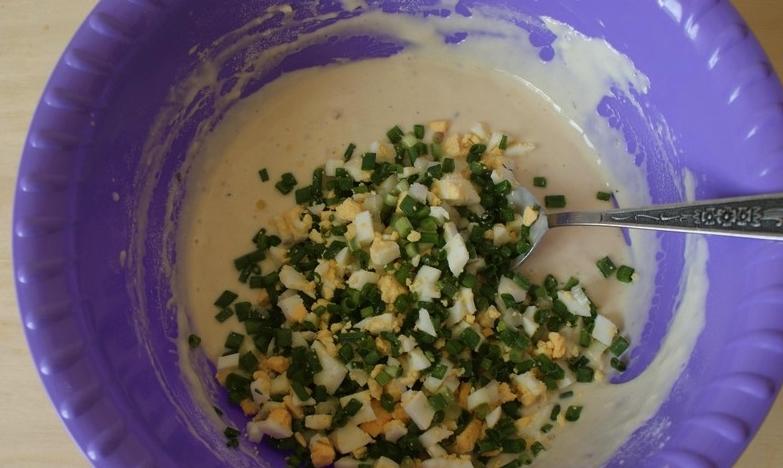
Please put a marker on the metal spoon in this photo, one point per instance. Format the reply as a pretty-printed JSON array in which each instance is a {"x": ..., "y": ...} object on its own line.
[{"x": 754, "y": 217}]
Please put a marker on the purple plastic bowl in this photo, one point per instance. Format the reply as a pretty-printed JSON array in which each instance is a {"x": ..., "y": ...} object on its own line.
[{"x": 117, "y": 387}]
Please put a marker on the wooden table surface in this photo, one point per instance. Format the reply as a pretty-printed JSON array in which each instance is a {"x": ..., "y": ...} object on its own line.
[{"x": 33, "y": 33}]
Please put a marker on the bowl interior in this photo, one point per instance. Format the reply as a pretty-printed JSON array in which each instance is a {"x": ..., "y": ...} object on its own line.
[{"x": 107, "y": 355}]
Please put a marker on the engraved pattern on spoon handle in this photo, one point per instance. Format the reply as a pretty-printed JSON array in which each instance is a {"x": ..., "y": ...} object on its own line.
[{"x": 758, "y": 217}]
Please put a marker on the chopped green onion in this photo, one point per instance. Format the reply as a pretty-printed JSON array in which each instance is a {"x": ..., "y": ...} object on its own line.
[
  {"x": 226, "y": 298},
  {"x": 603, "y": 196},
  {"x": 349, "y": 152},
  {"x": 448, "y": 165},
  {"x": 395, "y": 134},
  {"x": 617, "y": 364},
  {"x": 439, "y": 371},
  {"x": 418, "y": 131},
  {"x": 264, "y": 174},
  {"x": 572, "y": 413},
  {"x": 300, "y": 391},
  {"x": 387, "y": 402},
  {"x": 286, "y": 184},
  {"x": 546, "y": 428},
  {"x": 234, "y": 341},
  {"x": 194, "y": 341},
  {"x": 383, "y": 378},
  {"x": 475, "y": 152},
  {"x": 248, "y": 362},
  {"x": 566, "y": 395},
  {"x": 555, "y": 201},
  {"x": 368, "y": 161},
  {"x": 625, "y": 274},
  {"x": 436, "y": 151},
  {"x": 537, "y": 448},
  {"x": 619, "y": 345},
  {"x": 438, "y": 402},
  {"x": 585, "y": 338},
  {"x": 513, "y": 446},
  {"x": 606, "y": 266},
  {"x": 584, "y": 374},
  {"x": 283, "y": 337},
  {"x": 554, "y": 413},
  {"x": 503, "y": 143},
  {"x": 304, "y": 195},
  {"x": 403, "y": 226},
  {"x": 408, "y": 205},
  {"x": 224, "y": 314},
  {"x": 539, "y": 181},
  {"x": 470, "y": 338}
]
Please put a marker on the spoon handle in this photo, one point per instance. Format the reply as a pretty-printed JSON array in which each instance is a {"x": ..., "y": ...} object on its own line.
[{"x": 759, "y": 217}]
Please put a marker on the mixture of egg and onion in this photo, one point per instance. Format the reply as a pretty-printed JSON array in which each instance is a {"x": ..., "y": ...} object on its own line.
[{"x": 389, "y": 329}]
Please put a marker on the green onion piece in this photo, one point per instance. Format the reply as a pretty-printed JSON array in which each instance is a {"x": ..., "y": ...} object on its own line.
[
  {"x": 566, "y": 395},
  {"x": 619, "y": 345},
  {"x": 554, "y": 413},
  {"x": 234, "y": 341},
  {"x": 539, "y": 181},
  {"x": 555, "y": 201},
  {"x": 438, "y": 402},
  {"x": 585, "y": 338},
  {"x": 395, "y": 134},
  {"x": 503, "y": 143},
  {"x": 403, "y": 226},
  {"x": 304, "y": 195},
  {"x": 368, "y": 161},
  {"x": 194, "y": 341},
  {"x": 617, "y": 364},
  {"x": 345, "y": 353},
  {"x": 537, "y": 448},
  {"x": 448, "y": 165},
  {"x": 226, "y": 298},
  {"x": 436, "y": 171},
  {"x": 603, "y": 196},
  {"x": 481, "y": 411},
  {"x": 352, "y": 407},
  {"x": 383, "y": 378},
  {"x": 418, "y": 131},
  {"x": 572, "y": 413},
  {"x": 546, "y": 428},
  {"x": 349, "y": 152},
  {"x": 513, "y": 446},
  {"x": 248, "y": 362},
  {"x": 470, "y": 338},
  {"x": 231, "y": 433},
  {"x": 475, "y": 152},
  {"x": 606, "y": 266},
  {"x": 387, "y": 402},
  {"x": 243, "y": 310},
  {"x": 439, "y": 371},
  {"x": 264, "y": 174},
  {"x": 283, "y": 337},
  {"x": 625, "y": 274},
  {"x": 584, "y": 374},
  {"x": 408, "y": 205},
  {"x": 436, "y": 150},
  {"x": 223, "y": 315},
  {"x": 428, "y": 238},
  {"x": 286, "y": 184},
  {"x": 468, "y": 280},
  {"x": 300, "y": 390},
  {"x": 372, "y": 357}
]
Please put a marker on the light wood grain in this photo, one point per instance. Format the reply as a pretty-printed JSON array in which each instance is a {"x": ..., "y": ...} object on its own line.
[{"x": 33, "y": 33}]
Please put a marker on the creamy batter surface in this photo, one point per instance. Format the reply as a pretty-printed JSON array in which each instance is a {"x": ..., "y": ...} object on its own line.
[{"x": 305, "y": 117}]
